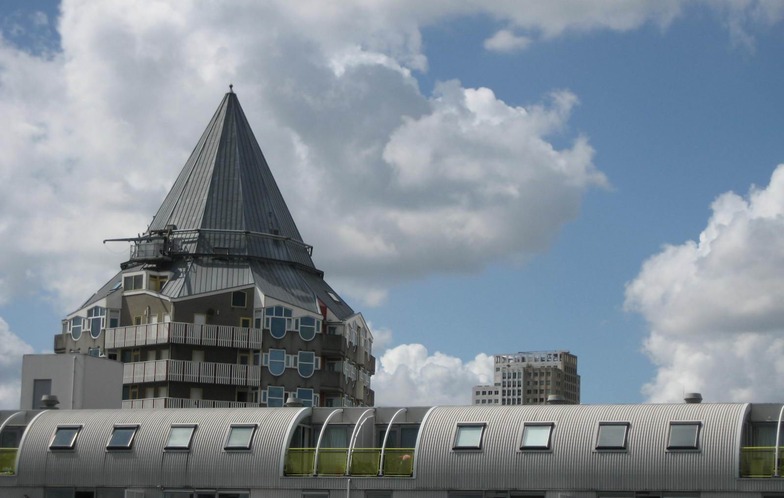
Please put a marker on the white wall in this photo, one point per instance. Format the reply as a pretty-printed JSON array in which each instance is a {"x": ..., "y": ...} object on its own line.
[{"x": 79, "y": 381}]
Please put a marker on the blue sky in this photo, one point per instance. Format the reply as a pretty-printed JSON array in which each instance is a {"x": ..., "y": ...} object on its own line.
[{"x": 573, "y": 192}]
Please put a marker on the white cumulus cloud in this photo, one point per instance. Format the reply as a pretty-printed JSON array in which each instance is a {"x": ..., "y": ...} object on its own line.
[
  {"x": 388, "y": 183},
  {"x": 408, "y": 375},
  {"x": 714, "y": 305},
  {"x": 506, "y": 40},
  {"x": 11, "y": 350}
]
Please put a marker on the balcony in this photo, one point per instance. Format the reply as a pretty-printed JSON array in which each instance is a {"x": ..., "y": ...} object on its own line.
[
  {"x": 182, "y": 403},
  {"x": 398, "y": 462},
  {"x": 183, "y": 333},
  {"x": 196, "y": 372},
  {"x": 759, "y": 461},
  {"x": 7, "y": 461},
  {"x": 59, "y": 343}
]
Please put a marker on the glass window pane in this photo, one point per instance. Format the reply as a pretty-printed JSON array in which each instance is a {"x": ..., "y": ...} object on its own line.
[
  {"x": 612, "y": 436},
  {"x": 121, "y": 438},
  {"x": 180, "y": 437},
  {"x": 64, "y": 438},
  {"x": 469, "y": 436},
  {"x": 536, "y": 436},
  {"x": 684, "y": 435},
  {"x": 240, "y": 437}
]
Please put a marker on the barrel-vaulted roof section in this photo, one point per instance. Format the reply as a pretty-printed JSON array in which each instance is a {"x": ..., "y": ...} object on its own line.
[
  {"x": 207, "y": 464},
  {"x": 227, "y": 185},
  {"x": 573, "y": 460}
]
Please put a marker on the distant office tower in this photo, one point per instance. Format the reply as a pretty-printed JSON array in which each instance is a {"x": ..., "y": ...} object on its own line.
[
  {"x": 529, "y": 378},
  {"x": 220, "y": 304}
]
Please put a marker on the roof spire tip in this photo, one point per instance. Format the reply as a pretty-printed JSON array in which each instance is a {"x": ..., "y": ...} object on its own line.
[{"x": 231, "y": 88}]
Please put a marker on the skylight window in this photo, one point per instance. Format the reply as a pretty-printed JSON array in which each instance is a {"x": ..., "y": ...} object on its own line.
[
  {"x": 536, "y": 436},
  {"x": 122, "y": 437},
  {"x": 469, "y": 436},
  {"x": 612, "y": 436},
  {"x": 240, "y": 437},
  {"x": 180, "y": 437},
  {"x": 333, "y": 296},
  {"x": 684, "y": 436},
  {"x": 65, "y": 437}
]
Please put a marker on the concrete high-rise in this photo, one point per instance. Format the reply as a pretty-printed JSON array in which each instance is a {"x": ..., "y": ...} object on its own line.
[{"x": 530, "y": 378}]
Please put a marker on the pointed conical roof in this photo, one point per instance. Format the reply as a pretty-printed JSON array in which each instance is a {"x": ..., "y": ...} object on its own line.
[{"x": 225, "y": 188}]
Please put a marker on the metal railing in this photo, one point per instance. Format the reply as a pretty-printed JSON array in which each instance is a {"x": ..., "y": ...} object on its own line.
[
  {"x": 398, "y": 462},
  {"x": 184, "y": 403},
  {"x": 183, "y": 333},
  {"x": 200, "y": 372}
]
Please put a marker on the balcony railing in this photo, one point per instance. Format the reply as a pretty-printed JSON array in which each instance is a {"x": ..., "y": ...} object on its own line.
[
  {"x": 198, "y": 372},
  {"x": 7, "y": 461},
  {"x": 184, "y": 403},
  {"x": 759, "y": 461},
  {"x": 398, "y": 462},
  {"x": 183, "y": 333}
]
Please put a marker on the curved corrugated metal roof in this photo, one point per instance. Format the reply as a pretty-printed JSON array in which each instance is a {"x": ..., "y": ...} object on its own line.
[
  {"x": 573, "y": 463},
  {"x": 207, "y": 464}
]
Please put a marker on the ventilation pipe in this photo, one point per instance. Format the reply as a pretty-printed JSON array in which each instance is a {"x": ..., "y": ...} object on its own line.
[{"x": 692, "y": 398}]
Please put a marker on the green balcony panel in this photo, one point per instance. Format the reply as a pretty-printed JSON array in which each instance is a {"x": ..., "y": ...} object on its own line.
[
  {"x": 759, "y": 461},
  {"x": 399, "y": 462},
  {"x": 299, "y": 461},
  {"x": 7, "y": 461},
  {"x": 365, "y": 461},
  {"x": 332, "y": 461}
]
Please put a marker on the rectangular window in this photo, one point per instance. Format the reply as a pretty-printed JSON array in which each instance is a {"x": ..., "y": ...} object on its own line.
[
  {"x": 275, "y": 396},
  {"x": 180, "y": 437},
  {"x": 245, "y": 322},
  {"x": 122, "y": 437},
  {"x": 65, "y": 437},
  {"x": 684, "y": 436},
  {"x": 240, "y": 437},
  {"x": 133, "y": 282},
  {"x": 536, "y": 436},
  {"x": 469, "y": 436},
  {"x": 612, "y": 436}
]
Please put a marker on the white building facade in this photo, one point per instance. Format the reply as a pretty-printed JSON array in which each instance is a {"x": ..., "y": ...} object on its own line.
[{"x": 530, "y": 378}]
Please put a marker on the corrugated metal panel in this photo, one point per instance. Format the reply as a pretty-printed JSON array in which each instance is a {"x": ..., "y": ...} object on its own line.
[
  {"x": 284, "y": 283},
  {"x": 108, "y": 288},
  {"x": 226, "y": 184},
  {"x": 196, "y": 278},
  {"x": 341, "y": 309},
  {"x": 147, "y": 465},
  {"x": 573, "y": 463}
]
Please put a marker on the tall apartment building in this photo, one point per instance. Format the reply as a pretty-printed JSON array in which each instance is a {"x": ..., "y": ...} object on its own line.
[
  {"x": 219, "y": 303},
  {"x": 530, "y": 378}
]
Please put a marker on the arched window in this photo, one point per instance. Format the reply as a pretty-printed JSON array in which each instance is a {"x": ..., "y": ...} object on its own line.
[
  {"x": 76, "y": 328},
  {"x": 308, "y": 326},
  {"x": 278, "y": 321},
  {"x": 306, "y": 363},
  {"x": 277, "y": 361},
  {"x": 95, "y": 320}
]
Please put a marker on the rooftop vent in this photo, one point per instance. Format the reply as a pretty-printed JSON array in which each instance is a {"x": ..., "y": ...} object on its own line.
[
  {"x": 692, "y": 398},
  {"x": 294, "y": 402},
  {"x": 49, "y": 402},
  {"x": 556, "y": 399}
]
